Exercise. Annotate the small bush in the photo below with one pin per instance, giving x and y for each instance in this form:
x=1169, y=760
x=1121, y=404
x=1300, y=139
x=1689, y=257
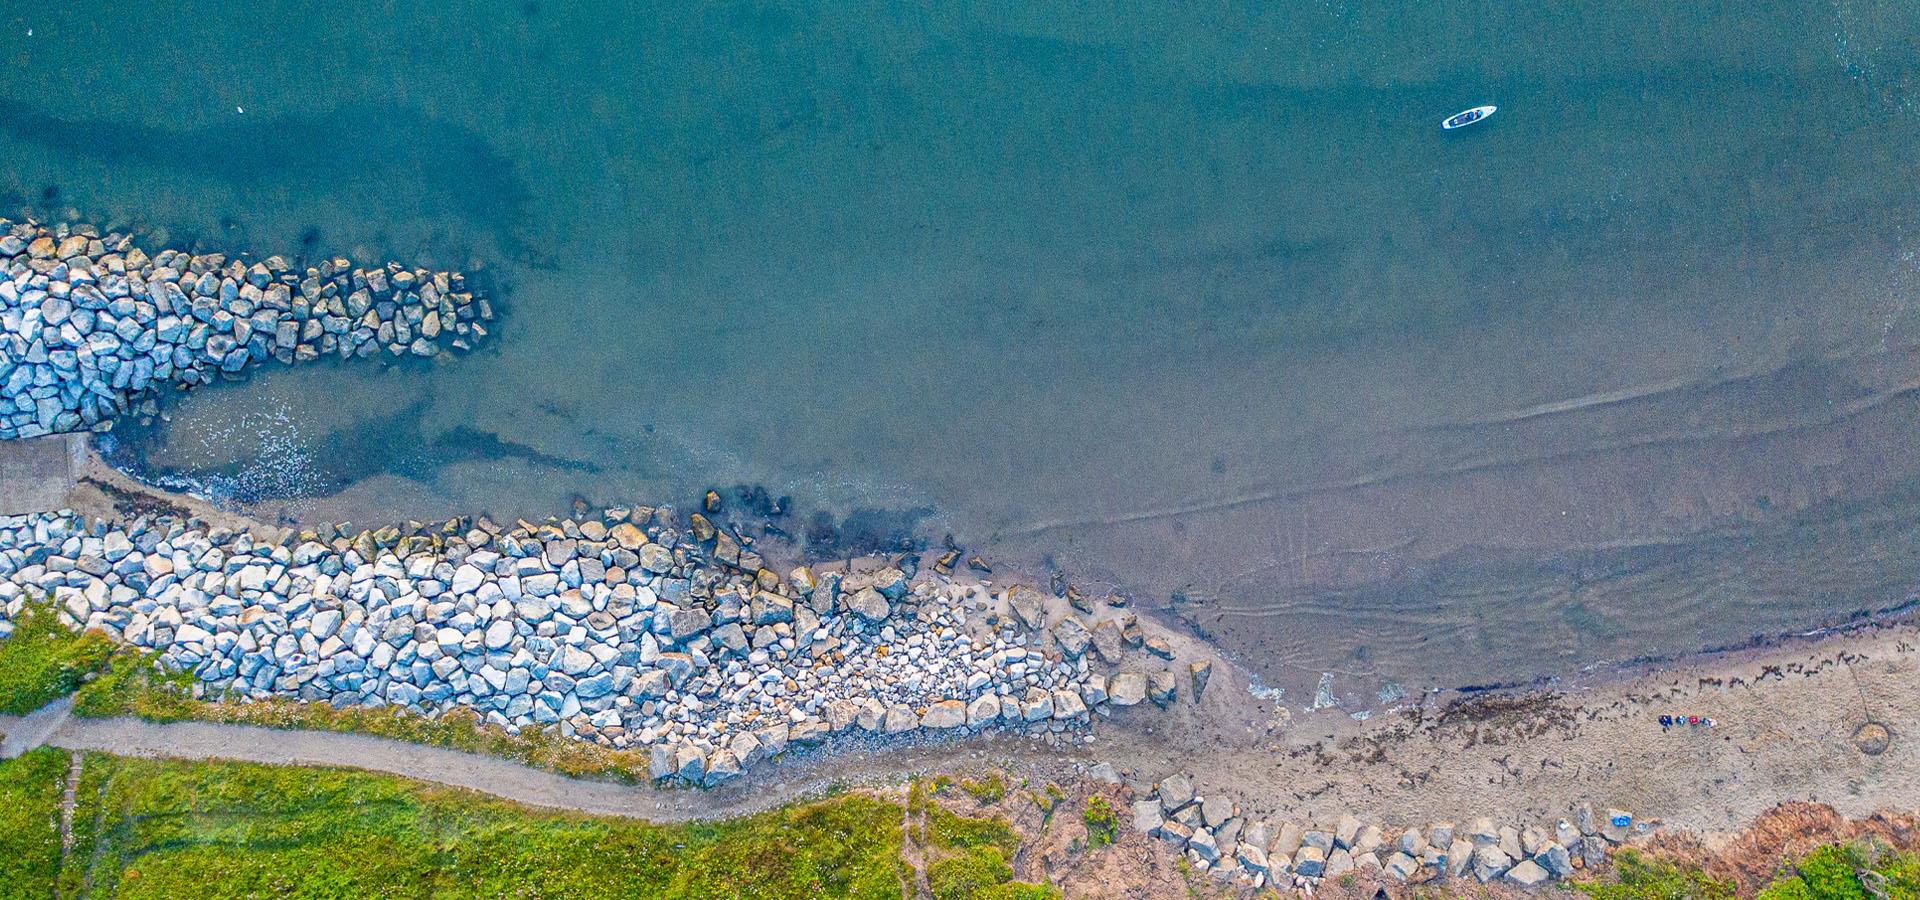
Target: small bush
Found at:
x=965, y=876
x=1837, y=872
x=991, y=789
x=44, y=661
x=1103, y=823
x=1640, y=878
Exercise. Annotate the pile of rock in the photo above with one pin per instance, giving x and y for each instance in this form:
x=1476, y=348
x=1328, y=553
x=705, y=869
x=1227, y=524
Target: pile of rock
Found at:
x=91, y=326
x=1214, y=836
x=621, y=629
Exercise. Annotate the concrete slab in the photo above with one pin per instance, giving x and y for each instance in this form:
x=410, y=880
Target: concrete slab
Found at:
x=37, y=473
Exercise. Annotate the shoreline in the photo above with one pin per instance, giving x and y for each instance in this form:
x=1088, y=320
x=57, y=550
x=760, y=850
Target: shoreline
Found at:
x=1276, y=762
x=103, y=489
x=668, y=650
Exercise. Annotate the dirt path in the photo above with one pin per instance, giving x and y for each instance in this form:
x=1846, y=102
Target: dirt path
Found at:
x=799, y=775
x=67, y=801
x=27, y=732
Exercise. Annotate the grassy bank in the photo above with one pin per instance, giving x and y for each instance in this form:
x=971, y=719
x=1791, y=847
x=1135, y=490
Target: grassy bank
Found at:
x=43, y=661
x=30, y=790
x=159, y=829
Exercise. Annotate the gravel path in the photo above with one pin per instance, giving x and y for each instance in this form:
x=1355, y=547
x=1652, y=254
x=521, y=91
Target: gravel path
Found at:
x=489, y=775
x=802, y=774
x=27, y=732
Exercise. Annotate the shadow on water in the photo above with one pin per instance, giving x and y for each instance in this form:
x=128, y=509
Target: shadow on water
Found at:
x=355, y=149
x=396, y=444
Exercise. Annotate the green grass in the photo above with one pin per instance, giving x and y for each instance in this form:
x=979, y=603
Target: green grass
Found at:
x=230, y=830
x=1846, y=872
x=989, y=790
x=969, y=858
x=30, y=789
x=1103, y=823
x=131, y=685
x=43, y=661
x=1637, y=877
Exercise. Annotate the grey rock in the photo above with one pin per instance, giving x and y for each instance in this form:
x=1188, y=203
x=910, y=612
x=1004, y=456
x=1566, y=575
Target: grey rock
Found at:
x=1526, y=874
x=1490, y=862
x=1161, y=688
x=869, y=604
x=1202, y=842
x=686, y=622
x=1175, y=791
x=945, y=714
x=1072, y=636
x=1146, y=816
x=1339, y=862
x=1200, y=672
x=1216, y=810
x=1028, y=606
x=1286, y=840
x=1555, y=859
x=1345, y=832
x=1310, y=861
x=1402, y=866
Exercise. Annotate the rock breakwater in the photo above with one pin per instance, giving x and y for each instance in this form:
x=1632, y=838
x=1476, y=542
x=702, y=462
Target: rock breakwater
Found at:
x=625, y=629
x=92, y=327
x=1215, y=837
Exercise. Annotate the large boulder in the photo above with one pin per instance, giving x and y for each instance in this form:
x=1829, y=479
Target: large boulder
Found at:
x=868, y=604
x=945, y=714
x=1028, y=606
x=1072, y=636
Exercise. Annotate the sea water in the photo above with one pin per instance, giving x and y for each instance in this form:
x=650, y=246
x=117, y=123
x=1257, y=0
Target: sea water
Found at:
x=1191, y=302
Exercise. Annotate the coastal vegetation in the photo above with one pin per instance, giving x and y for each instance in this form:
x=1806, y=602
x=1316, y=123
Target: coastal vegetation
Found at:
x=162, y=828
x=1637, y=876
x=43, y=660
x=30, y=789
x=966, y=857
x=1858, y=870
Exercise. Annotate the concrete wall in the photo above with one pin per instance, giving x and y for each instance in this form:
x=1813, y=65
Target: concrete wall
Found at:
x=37, y=473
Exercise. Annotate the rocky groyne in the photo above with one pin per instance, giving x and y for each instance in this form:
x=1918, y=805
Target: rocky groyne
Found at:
x=1215, y=837
x=631, y=630
x=92, y=326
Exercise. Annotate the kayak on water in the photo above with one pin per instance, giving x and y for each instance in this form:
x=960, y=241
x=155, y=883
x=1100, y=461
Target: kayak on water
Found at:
x=1463, y=119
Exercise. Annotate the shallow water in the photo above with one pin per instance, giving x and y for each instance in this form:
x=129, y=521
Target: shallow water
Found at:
x=1197, y=303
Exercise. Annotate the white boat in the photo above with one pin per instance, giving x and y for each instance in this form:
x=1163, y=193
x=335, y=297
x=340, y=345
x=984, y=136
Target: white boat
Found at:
x=1463, y=119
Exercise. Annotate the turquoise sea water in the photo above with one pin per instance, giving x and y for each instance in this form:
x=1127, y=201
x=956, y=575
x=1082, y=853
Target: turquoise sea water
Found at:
x=1192, y=301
